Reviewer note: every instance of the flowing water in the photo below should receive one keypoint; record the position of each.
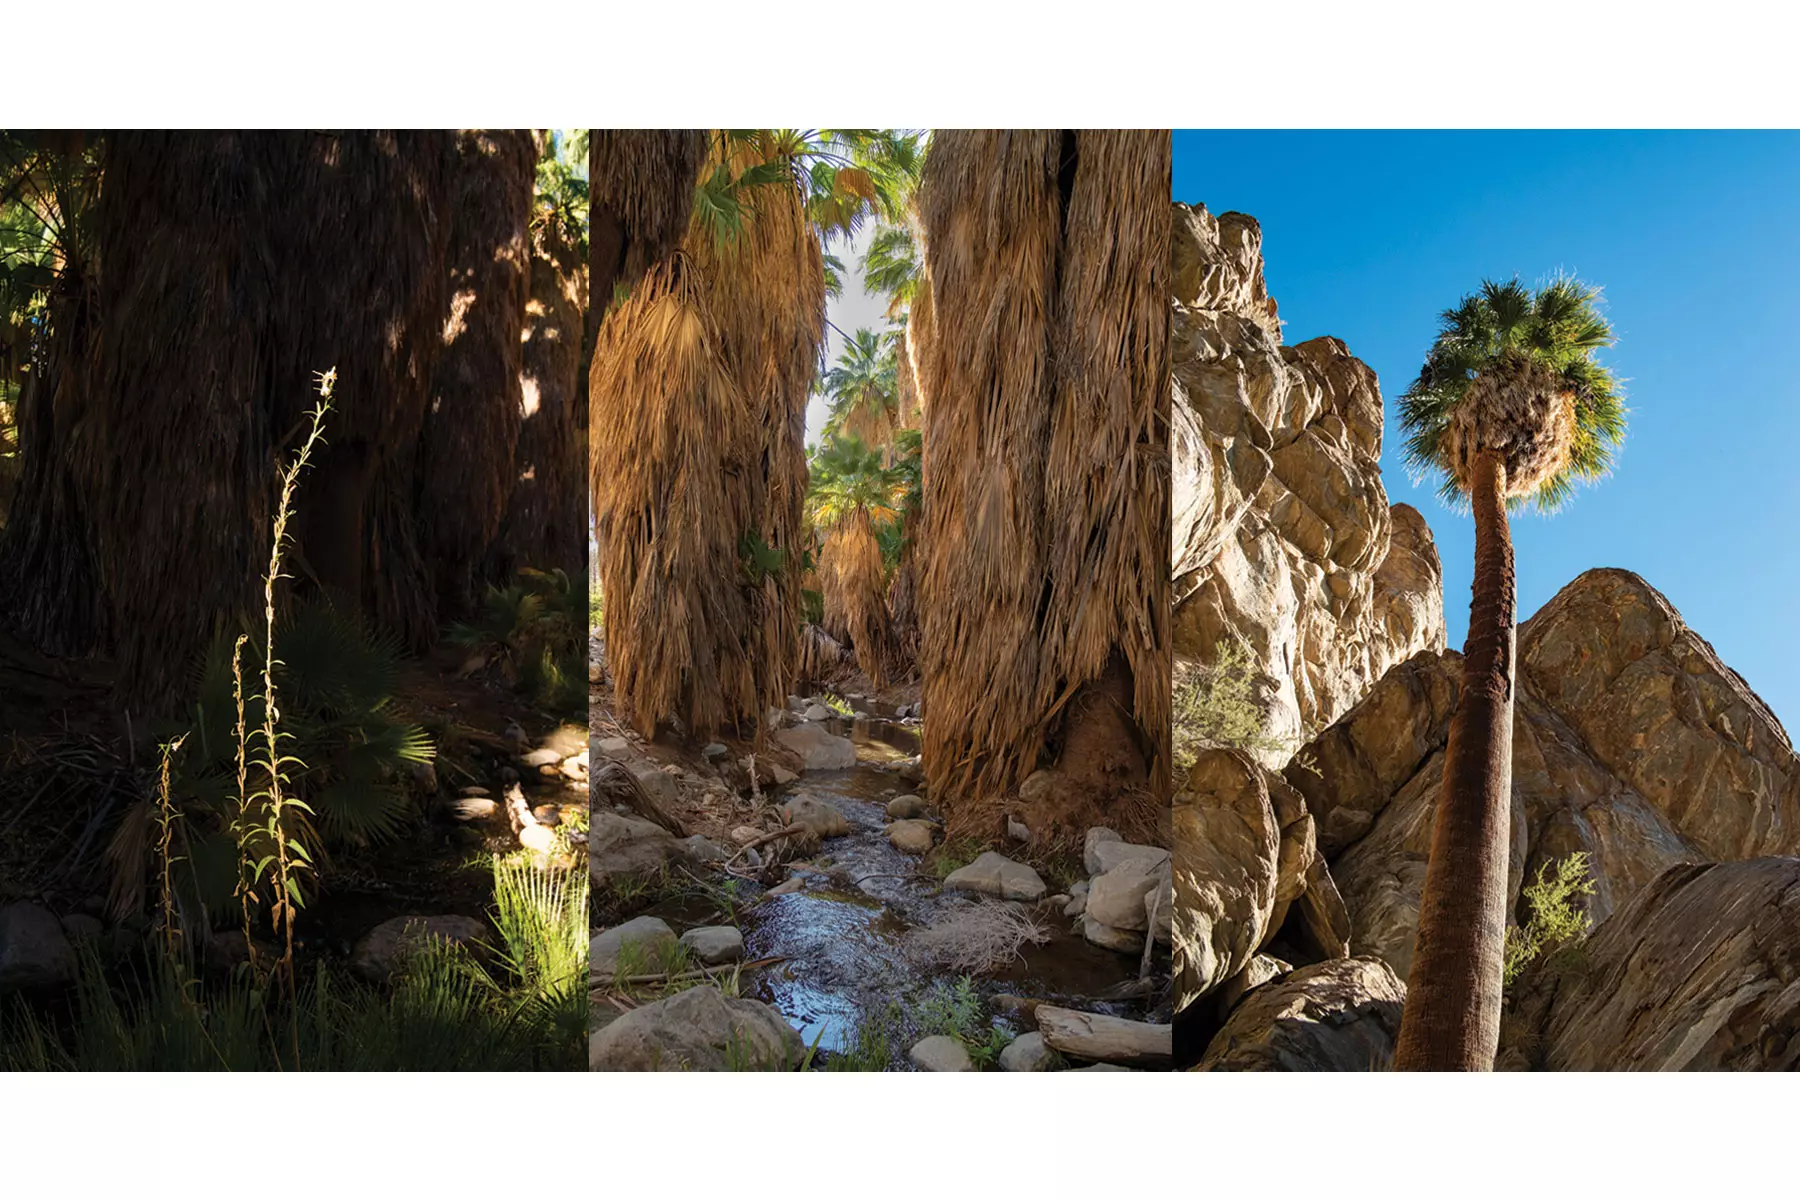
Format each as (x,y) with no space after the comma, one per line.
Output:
(841,938)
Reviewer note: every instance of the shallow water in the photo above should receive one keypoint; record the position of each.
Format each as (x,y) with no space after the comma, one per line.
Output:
(841,938)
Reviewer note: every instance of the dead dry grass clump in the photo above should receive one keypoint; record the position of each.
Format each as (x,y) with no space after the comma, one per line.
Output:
(975,938)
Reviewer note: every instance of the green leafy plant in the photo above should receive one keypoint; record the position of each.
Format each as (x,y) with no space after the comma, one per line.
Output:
(1558,922)
(1217,706)
(533,632)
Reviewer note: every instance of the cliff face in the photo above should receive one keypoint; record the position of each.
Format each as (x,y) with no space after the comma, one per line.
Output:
(1283,534)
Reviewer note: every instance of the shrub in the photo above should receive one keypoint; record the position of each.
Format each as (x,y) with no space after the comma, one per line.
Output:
(1557,922)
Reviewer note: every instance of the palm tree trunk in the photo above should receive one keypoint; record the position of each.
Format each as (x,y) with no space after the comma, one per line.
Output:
(1451,1021)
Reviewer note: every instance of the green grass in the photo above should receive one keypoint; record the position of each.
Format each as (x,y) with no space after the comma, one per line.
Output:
(442,1011)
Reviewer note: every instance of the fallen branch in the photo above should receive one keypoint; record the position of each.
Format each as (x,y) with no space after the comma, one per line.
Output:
(1099,1038)
(785,831)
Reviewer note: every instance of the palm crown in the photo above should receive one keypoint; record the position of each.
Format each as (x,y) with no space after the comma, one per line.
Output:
(1514,372)
(863,387)
(848,478)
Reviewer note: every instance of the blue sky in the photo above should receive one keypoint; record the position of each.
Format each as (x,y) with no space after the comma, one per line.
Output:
(1368,235)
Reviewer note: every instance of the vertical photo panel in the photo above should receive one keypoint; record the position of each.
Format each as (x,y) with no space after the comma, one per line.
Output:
(292,568)
(880,476)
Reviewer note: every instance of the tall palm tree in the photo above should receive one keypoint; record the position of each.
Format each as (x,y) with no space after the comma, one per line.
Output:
(863,388)
(1043,584)
(1511,408)
(855,498)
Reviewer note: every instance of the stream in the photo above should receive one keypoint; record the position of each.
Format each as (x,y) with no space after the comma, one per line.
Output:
(841,938)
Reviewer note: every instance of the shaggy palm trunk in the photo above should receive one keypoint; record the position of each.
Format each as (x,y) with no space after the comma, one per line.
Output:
(472,425)
(1451,1020)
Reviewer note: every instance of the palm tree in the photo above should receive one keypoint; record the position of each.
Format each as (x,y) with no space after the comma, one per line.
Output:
(1511,408)
(854,499)
(698,388)
(863,388)
(1043,578)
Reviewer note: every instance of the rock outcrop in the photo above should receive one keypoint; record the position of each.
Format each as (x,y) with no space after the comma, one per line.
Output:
(1342,1015)
(1699,971)
(1632,742)
(1247,868)
(1283,534)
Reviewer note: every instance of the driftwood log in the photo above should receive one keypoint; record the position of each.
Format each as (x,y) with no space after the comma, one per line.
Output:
(1098,1038)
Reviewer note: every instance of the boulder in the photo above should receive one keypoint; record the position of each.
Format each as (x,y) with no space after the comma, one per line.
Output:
(1342,1015)
(715,944)
(912,837)
(940,1053)
(384,948)
(697,1030)
(993,874)
(821,817)
(1125,941)
(542,757)
(905,808)
(1112,855)
(1027,1052)
(1227,862)
(818,748)
(1093,839)
(1632,743)
(651,936)
(621,847)
(1117,897)
(35,952)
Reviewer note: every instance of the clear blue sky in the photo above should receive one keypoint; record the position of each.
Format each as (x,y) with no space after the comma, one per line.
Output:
(1694,236)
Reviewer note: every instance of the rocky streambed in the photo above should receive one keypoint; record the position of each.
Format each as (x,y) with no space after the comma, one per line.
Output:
(832,927)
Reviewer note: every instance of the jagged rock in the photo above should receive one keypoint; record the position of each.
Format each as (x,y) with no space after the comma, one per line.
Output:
(715,944)
(697,1030)
(34,951)
(613,747)
(1262,969)
(650,935)
(1334,1016)
(1284,539)
(822,817)
(1631,742)
(940,1053)
(993,874)
(818,748)
(1027,1052)
(384,948)
(1698,971)
(817,712)
(911,837)
(621,847)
